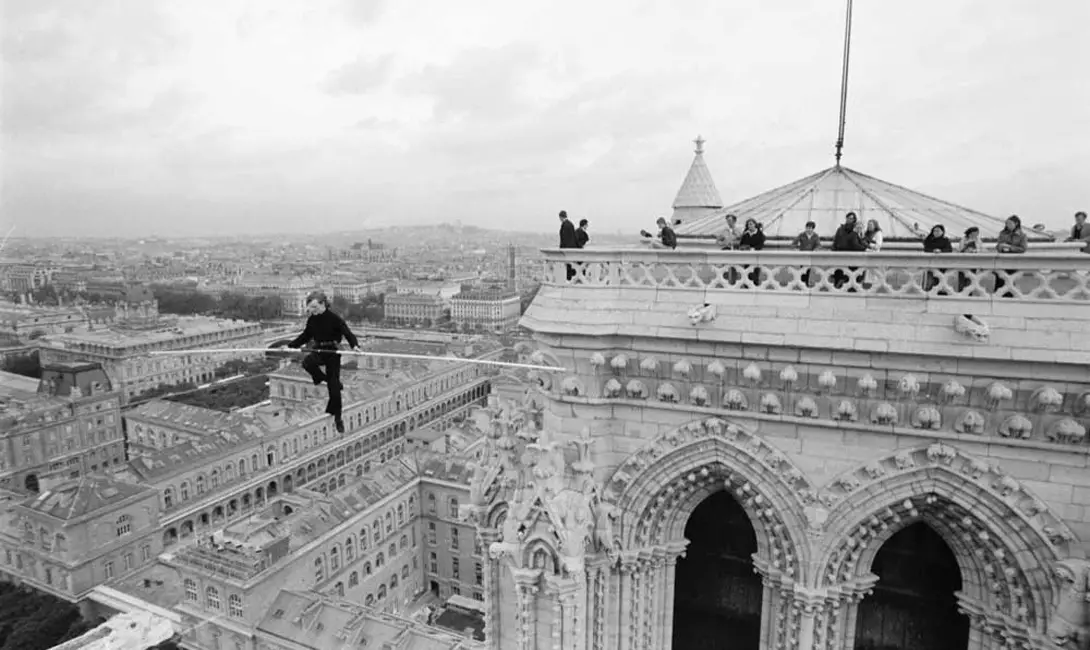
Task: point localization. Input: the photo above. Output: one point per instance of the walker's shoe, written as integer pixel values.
(339, 423)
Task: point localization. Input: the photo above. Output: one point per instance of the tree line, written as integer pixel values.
(33, 620)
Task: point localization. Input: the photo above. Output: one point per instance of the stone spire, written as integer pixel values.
(698, 195)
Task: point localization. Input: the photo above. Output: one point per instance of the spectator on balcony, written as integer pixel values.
(666, 239)
(1081, 231)
(847, 239)
(727, 239)
(752, 239)
(872, 236)
(567, 239)
(936, 241)
(969, 244)
(1011, 241)
(581, 236)
(808, 241)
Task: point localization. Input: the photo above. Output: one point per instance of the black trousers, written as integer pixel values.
(326, 366)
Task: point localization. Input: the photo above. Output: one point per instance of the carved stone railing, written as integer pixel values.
(1055, 277)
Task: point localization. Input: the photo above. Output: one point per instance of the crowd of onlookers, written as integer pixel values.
(853, 235)
(857, 236)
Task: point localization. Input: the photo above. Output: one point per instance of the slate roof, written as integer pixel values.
(698, 189)
(82, 496)
(825, 197)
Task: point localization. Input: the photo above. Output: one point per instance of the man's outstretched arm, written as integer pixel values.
(300, 340)
(348, 335)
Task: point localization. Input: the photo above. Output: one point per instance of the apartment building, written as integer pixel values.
(65, 425)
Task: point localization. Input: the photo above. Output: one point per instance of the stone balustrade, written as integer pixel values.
(1055, 277)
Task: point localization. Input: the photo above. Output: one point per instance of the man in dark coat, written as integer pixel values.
(325, 329)
(581, 235)
(567, 238)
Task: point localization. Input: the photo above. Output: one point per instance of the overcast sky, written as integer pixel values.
(202, 116)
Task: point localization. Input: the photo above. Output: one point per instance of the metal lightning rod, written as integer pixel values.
(844, 82)
(392, 355)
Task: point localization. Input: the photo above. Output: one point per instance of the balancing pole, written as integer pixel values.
(389, 355)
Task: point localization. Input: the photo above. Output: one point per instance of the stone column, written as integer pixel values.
(568, 595)
(673, 551)
(628, 601)
(491, 579)
(834, 620)
(597, 590)
(526, 588)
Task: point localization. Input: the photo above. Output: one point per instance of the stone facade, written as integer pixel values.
(875, 412)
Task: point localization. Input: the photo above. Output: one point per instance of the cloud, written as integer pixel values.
(228, 115)
(359, 76)
(479, 83)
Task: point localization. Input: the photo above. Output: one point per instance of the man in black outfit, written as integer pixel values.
(582, 237)
(567, 238)
(325, 330)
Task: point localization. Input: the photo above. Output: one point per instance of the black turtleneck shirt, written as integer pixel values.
(325, 327)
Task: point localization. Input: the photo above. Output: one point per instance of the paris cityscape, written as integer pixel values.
(291, 360)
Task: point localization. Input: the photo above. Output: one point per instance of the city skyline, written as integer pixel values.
(143, 118)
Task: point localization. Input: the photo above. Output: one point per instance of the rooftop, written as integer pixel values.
(698, 189)
(184, 326)
(887, 302)
(487, 294)
(316, 621)
(223, 433)
(79, 497)
(235, 555)
(825, 197)
(157, 584)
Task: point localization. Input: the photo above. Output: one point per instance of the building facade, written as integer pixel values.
(855, 467)
(415, 308)
(123, 349)
(80, 533)
(65, 425)
(494, 310)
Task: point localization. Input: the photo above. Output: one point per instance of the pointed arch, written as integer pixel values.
(1005, 539)
(659, 486)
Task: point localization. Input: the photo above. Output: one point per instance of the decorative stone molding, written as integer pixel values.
(927, 417)
(1046, 399)
(636, 389)
(970, 421)
(683, 369)
(619, 363)
(1067, 431)
(909, 387)
(597, 360)
(989, 520)
(884, 414)
(806, 407)
(973, 327)
(699, 396)
(846, 411)
(867, 384)
(667, 393)
(658, 486)
(572, 387)
(649, 365)
(1016, 426)
(827, 380)
(770, 403)
(998, 393)
(613, 388)
(752, 374)
(735, 400)
(789, 376)
(952, 390)
(1069, 623)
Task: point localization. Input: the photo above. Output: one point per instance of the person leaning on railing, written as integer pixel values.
(936, 242)
(752, 239)
(667, 237)
(1011, 241)
(970, 244)
(808, 240)
(727, 240)
(848, 239)
(1081, 231)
